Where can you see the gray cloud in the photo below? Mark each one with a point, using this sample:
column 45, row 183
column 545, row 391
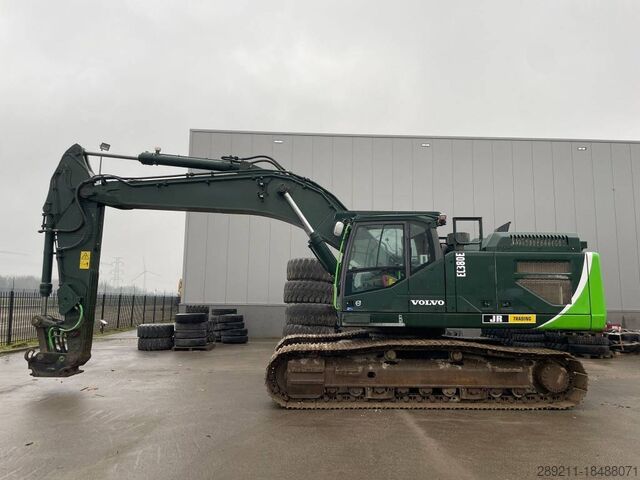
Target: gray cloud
column 141, row 73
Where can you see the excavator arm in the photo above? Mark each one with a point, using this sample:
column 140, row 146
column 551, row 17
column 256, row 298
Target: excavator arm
column 73, row 217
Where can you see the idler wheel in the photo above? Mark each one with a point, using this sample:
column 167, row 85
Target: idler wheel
column 553, row 377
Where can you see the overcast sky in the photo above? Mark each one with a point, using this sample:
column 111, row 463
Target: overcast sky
column 142, row 73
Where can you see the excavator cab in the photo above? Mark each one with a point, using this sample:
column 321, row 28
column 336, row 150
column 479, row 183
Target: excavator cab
column 387, row 260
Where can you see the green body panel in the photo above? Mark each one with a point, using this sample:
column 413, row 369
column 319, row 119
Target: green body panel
column 487, row 288
column 596, row 295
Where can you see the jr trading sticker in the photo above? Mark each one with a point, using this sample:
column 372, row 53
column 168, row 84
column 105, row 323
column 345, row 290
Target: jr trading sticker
column 509, row 318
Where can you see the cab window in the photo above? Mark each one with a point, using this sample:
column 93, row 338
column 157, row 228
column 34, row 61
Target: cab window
column 421, row 247
column 377, row 258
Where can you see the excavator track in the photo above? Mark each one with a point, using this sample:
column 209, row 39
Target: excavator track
column 348, row 370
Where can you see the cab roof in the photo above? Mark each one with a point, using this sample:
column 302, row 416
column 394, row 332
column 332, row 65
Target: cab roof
column 386, row 216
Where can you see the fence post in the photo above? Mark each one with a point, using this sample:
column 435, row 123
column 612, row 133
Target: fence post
column 119, row 303
column 162, row 308
column 10, row 320
column 144, row 307
column 153, row 319
column 133, row 301
column 104, row 297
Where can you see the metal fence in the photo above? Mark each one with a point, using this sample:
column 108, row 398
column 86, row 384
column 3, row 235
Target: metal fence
column 17, row 308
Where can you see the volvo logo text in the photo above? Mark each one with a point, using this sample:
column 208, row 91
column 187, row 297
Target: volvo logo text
column 428, row 302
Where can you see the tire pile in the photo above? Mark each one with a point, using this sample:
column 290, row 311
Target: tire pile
column 191, row 330
column 155, row 336
column 308, row 294
column 227, row 326
column 578, row 343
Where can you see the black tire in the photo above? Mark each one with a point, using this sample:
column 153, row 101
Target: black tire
column 155, row 330
column 497, row 332
column 305, row 329
column 587, row 339
column 538, row 338
column 191, row 342
column 191, row 317
column 630, row 337
column 197, row 309
column 223, row 311
column 230, row 318
column 190, row 334
column 555, row 337
column 234, row 339
column 307, row 291
column 217, row 337
column 595, row 350
column 307, row 269
column 228, row 326
column 528, row 344
column 311, row 314
column 191, row 327
column 153, row 344
column 525, row 331
column 239, row 332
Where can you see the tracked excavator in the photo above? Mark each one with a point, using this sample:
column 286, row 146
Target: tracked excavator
column 397, row 285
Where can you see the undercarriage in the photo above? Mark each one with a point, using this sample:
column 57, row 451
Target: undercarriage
column 357, row 370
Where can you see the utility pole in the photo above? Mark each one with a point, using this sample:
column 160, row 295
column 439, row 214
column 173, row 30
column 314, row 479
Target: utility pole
column 117, row 268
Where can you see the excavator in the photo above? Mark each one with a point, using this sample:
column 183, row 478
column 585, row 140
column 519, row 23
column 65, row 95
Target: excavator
column 397, row 287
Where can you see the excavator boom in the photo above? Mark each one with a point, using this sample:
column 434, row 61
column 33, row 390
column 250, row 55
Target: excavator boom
column 73, row 217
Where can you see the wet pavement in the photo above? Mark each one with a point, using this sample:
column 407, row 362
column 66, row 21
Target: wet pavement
column 206, row 415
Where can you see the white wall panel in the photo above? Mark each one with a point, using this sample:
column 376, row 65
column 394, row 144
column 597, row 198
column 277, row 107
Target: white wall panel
column 503, row 182
column 422, row 181
column 382, row 155
column 483, row 183
column 607, row 229
column 583, row 181
column 626, row 226
column 523, row 196
column 401, row 173
column 443, row 178
column 543, row 187
column 563, row 183
column 362, row 181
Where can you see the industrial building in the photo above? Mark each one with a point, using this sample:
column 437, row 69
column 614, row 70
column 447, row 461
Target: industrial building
column 591, row 187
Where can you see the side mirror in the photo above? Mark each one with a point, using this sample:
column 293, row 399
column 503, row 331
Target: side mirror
column 338, row 228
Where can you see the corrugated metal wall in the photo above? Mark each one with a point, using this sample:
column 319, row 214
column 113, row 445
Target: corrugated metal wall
column 592, row 188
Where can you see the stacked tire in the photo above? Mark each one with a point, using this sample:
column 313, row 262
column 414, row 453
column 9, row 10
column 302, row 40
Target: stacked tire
column 228, row 327
column 214, row 313
column 155, row 336
column 589, row 344
column 308, row 294
column 522, row 338
column 197, row 308
column 191, row 330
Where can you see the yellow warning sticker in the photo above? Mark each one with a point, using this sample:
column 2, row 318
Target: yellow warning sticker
column 522, row 318
column 85, row 259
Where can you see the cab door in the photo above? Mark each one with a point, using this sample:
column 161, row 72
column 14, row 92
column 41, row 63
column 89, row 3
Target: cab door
column 374, row 281
column 427, row 286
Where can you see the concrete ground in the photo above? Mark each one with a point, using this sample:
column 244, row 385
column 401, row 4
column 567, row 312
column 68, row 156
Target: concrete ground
column 206, row 415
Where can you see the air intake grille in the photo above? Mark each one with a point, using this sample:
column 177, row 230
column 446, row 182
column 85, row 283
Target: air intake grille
column 556, row 291
column 542, row 266
column 542, row 240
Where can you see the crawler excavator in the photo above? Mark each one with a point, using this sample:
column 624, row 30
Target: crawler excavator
column 397, row 287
